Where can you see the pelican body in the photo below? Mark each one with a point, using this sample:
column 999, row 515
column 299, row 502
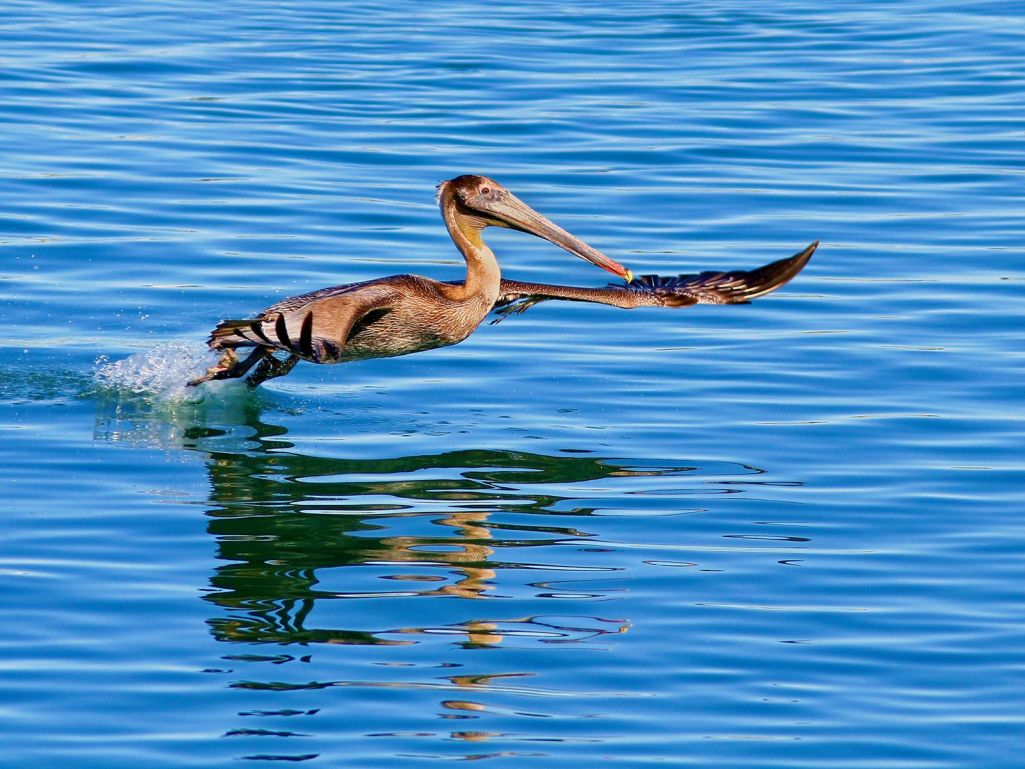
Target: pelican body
column 397, row 315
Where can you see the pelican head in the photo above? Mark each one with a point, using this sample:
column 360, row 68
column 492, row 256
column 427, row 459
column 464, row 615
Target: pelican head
column 487, row 203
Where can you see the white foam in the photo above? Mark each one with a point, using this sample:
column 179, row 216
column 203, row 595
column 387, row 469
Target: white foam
column 142, row 400
column 161, row 371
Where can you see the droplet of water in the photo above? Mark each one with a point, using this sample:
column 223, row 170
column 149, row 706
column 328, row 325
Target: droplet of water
column 142, row 400
column 161, row 371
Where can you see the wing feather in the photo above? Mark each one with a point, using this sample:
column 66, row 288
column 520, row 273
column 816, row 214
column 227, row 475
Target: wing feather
column 734, row 287
column 314, row 326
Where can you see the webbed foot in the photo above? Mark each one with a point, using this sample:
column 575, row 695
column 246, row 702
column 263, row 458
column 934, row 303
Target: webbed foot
column 269, row 368
column 229, row 366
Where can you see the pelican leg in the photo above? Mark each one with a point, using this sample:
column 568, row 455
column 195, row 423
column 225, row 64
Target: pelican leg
column 229, row 366
column 269, row 368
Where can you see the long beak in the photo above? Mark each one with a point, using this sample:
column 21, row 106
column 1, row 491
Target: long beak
column 514, row 213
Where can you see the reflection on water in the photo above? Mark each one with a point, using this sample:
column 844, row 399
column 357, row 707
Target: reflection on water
column 319, row 550
column 420, row 526
column 442, row 525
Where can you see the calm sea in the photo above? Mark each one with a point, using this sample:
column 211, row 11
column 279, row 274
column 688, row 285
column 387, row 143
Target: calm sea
column 786, row 534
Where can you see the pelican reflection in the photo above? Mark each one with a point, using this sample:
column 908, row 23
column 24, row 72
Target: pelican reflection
column 297, row 536
column 297, row 533
column 429, row 566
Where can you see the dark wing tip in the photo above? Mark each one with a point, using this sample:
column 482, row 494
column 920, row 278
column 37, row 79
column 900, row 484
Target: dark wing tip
column 764, row 280
column 717, row 287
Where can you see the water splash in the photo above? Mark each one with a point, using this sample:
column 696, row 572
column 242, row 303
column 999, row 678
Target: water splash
column 160, row 372
column 142, row 401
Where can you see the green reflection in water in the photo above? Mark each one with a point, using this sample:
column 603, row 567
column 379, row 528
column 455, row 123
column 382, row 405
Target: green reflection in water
column 295, row 532
column 281, row 518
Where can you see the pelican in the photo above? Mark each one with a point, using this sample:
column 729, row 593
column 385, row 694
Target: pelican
column 396, row 315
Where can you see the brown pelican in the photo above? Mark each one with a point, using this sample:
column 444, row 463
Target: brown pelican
column 400, row 314
column 403, row 314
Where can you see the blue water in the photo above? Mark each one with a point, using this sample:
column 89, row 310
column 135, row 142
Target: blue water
column 787, row 534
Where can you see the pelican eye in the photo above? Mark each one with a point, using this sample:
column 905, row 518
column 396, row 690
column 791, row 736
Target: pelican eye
column 485, row 190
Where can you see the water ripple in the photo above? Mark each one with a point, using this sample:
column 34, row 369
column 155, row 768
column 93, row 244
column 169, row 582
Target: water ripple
column 751, row 536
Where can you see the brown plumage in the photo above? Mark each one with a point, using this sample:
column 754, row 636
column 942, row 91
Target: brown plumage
column 734, row 287
column 404, row 314
column 397, row 315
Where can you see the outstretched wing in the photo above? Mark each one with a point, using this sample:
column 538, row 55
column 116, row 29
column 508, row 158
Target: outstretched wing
column 734, row 287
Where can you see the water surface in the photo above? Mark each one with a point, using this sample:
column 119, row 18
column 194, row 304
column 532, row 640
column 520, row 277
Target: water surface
column 779, row 535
